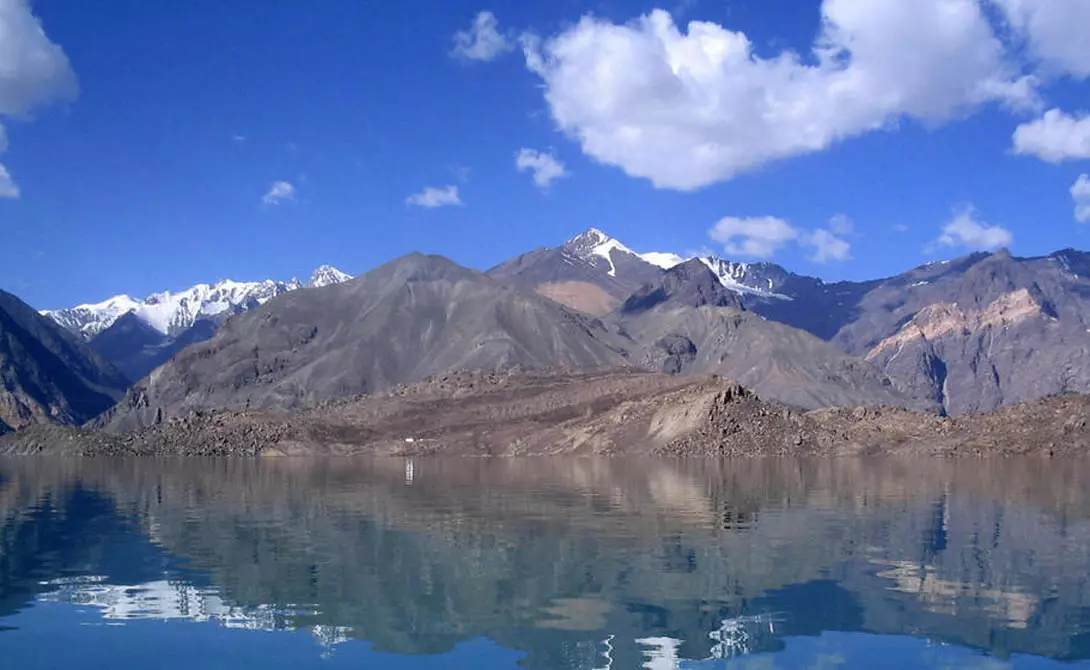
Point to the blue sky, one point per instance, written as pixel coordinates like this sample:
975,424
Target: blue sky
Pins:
155,174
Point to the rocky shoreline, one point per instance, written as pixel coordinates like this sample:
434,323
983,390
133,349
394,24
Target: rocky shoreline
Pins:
594,413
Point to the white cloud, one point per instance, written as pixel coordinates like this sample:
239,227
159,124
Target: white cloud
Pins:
432,197
827,247
965,231
760,237
688,109
280,191
1080,193
1055,31
1055,137
841,224
8,188
483,41
546,167
33,70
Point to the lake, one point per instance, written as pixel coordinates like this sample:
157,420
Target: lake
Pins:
544,563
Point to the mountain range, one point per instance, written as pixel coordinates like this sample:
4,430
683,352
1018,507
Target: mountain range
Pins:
139,336
955,337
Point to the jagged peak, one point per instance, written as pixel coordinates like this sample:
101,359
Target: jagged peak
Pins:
327,275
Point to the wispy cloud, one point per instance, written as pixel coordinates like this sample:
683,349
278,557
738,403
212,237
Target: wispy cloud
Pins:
279,192
432,197
545,166
483,41
8,188
1080,193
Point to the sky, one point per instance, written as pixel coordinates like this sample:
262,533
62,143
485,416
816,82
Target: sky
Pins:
148,145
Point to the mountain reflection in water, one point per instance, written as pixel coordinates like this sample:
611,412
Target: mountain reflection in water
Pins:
545,563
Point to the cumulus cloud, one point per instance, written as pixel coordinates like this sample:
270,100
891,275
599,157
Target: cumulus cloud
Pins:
1080,193
33,71
760,236
483,41
433,197
546,167
280,191
688,108
827,247
1054,31
1055,137
966,231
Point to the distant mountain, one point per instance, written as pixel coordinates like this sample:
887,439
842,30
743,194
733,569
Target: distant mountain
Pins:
412,318
591,272
173,313
48,375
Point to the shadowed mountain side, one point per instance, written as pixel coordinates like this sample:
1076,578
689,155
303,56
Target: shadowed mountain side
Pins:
46,374
136,348
410,319
690,284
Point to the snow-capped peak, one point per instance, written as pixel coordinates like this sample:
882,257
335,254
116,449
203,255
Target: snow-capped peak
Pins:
595,244
87,320
742,277
327,275
173,312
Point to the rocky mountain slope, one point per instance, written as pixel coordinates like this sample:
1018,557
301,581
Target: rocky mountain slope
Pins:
976,333
971,334
608,413
47,374
414,317
421,316
688,322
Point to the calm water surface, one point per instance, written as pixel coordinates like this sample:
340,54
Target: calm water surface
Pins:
544,564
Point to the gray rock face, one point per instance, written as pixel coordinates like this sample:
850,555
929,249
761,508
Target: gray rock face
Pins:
48,375
410,319
690,284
